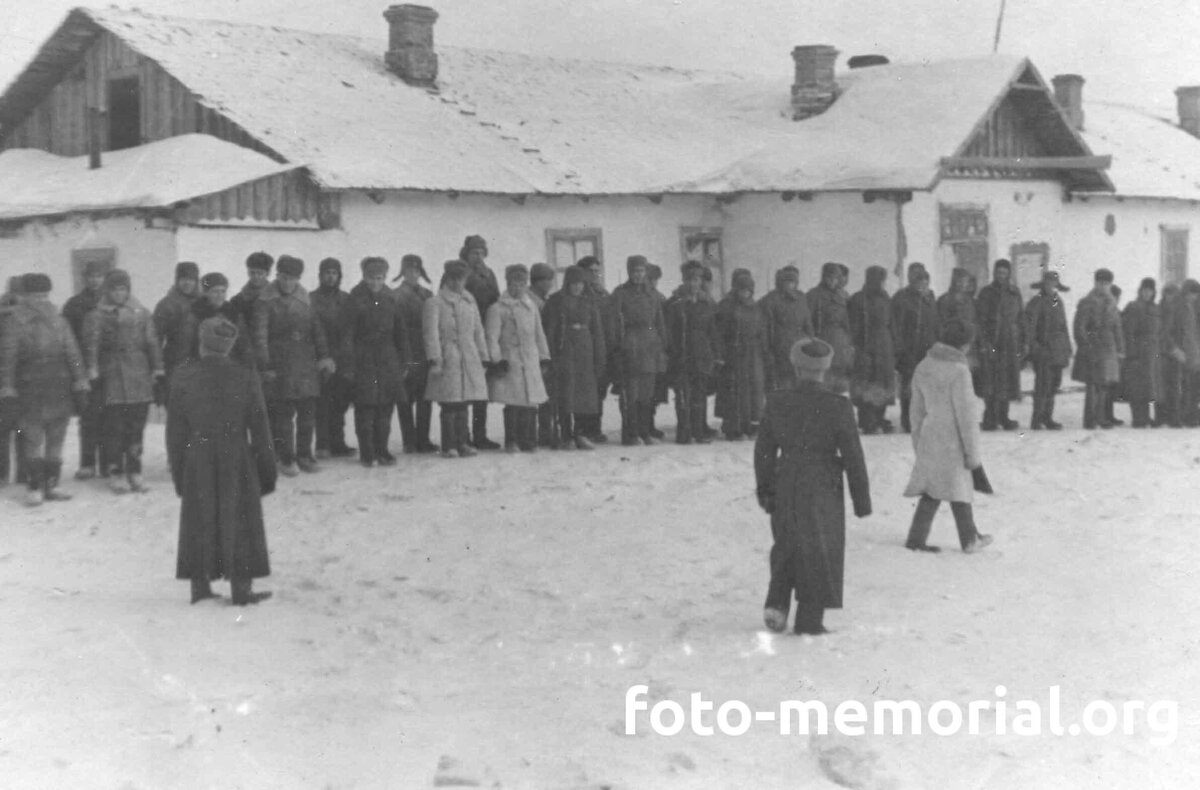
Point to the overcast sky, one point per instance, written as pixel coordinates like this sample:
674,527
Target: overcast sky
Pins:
1127,51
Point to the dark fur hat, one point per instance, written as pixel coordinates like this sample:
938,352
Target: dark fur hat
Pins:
289,265
260,260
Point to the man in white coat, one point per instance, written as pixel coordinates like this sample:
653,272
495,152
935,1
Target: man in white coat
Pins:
945,434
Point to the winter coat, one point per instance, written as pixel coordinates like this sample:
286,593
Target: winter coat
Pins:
332,306
945,427
831,323
202,309
289,341
515,335
219,452
40,364
120,344
915,323
482,285
170,325
375,332
1001,340
639,329
602,302
242,303
1141,326
873,377
456,345
1047,332
692,345
806,443
77,308
1099,340
786,319
575,337
961,305
412,301
742,335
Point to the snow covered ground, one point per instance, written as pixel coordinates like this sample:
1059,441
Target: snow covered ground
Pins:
488,615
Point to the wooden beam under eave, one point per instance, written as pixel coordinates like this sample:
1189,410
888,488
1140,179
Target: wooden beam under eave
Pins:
1029,162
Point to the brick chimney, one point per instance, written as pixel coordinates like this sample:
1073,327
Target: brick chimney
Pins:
1068,92
1188,99
815,87
410,54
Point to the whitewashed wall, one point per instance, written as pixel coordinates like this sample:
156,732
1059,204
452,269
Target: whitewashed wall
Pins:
147,253
1134,249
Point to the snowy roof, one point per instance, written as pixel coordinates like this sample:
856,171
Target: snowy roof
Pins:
1152,156
510,123
156,175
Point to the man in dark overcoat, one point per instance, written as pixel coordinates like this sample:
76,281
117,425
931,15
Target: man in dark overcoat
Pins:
741,387
170,320
416,413
915,322
1141,377
577,355
786,319
1001,339
1049,348
541,284
662,392
91,421
831,323
640,351
693,353
485,289
214,287
602,302
10,437
332,306
1167,409
43,382
222,464
873,378
806,443
258,277
1101,347
379,362
292,354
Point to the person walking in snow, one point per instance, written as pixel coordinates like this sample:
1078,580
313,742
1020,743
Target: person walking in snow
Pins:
786,319
946,439
42,382
806,443
122,351
91,421
1049,348
170,321
741,385
416,413
332,306
292,355
222,464
519,353
456,347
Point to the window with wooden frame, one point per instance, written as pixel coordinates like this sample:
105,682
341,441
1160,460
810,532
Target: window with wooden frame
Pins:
565,246
81,259
1174,253
124,113
704,245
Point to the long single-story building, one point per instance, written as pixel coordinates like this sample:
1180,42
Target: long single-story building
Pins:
160,139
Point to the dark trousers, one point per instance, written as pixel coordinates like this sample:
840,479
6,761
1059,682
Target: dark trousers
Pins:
293,424
995,412
91,431
373,427
787,568
415,417
870,417
520,427
905,374
590,425
44,440
1189,401
547,424
1139,411
1046,381
124,427
1095,405
691,410
453,418
922,523
479,421
1167,408
336,395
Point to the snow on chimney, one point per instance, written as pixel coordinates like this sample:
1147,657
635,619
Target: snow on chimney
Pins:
815,87
410,53
1188,99
1068,92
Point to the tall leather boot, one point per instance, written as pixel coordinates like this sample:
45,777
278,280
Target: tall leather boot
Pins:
448,429
1048,414
699,417
510,429
462,433
1002,418
424,418
905,423
527,432
364,429
53,470
479,436
408,428
989,415
645,411
35,477
201,589
810,619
